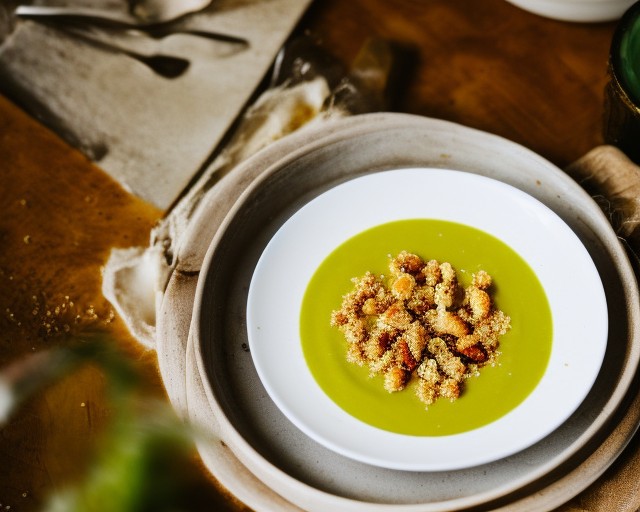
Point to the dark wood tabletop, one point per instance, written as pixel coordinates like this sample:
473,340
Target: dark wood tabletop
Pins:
487,65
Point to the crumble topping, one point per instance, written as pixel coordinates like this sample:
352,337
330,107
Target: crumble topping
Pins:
420,323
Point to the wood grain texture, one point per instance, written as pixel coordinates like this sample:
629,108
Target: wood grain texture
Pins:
487,65
61,216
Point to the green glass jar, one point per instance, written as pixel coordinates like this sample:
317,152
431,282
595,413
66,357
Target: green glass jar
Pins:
622,96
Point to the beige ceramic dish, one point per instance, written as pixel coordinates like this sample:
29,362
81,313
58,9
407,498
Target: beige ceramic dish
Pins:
254,450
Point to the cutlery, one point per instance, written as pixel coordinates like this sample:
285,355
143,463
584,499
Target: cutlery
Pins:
142,12
167,66
156,29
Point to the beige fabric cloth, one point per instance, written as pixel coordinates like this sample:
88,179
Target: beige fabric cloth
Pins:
614,182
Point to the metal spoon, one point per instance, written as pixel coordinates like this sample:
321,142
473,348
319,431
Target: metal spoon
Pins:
115,20
167,66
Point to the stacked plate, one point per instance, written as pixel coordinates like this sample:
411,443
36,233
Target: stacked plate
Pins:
280,443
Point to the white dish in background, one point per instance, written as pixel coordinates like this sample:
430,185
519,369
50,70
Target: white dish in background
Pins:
587,11
559,259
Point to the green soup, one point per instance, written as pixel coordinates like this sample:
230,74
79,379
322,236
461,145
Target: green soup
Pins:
525,349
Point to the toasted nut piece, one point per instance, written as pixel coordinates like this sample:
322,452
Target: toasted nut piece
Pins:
406,262
422,299
382,364
491,328
448,274
481,279
395,379
428,371
369,307
450,389
475,353
446,322
339,318
417,338
385,338
431,272
397,316
408,360
427,392
373,349
403,286
479,301
448,363
355,354
466,341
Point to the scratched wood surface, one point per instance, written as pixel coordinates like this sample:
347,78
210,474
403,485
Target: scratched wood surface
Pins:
488,65
485,64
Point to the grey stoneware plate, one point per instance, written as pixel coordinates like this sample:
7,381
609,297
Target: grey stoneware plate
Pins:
276,466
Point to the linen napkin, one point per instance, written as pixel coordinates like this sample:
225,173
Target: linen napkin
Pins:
614,182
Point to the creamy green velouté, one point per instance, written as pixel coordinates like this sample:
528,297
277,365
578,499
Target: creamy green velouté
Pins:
524,350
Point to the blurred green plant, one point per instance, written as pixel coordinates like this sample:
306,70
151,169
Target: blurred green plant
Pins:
141,466
142,462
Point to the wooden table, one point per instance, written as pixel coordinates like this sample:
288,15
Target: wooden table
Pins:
485,64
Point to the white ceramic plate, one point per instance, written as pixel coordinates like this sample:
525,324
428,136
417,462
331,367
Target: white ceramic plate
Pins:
576,10
537,234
